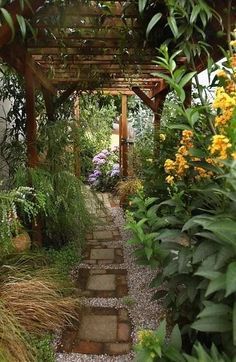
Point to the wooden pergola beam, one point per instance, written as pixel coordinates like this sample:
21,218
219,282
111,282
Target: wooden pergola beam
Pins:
146,100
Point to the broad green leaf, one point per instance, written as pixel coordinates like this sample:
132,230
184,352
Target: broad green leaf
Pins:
150,200
175,338
179,126
173,26
161,332
223,256
213,324
157,281
203,250
225,229
197,152
22,25
148,252
153,22
234,324
208,274
216,284
213,309
231,279
9,21
194,14
186,78
141,5
169,234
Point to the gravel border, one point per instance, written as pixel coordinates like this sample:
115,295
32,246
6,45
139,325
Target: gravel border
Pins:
143,311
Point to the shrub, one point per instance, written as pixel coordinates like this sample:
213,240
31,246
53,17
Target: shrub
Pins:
106,171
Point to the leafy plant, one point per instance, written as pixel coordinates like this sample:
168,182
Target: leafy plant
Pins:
106,170
154,346
15,206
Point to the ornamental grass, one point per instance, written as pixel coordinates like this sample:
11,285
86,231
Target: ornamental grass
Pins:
30,304
37,305
14,346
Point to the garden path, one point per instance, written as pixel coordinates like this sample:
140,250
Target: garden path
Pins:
117,300
103,329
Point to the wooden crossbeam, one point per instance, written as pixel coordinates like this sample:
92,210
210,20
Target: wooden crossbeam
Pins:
146,100
18,57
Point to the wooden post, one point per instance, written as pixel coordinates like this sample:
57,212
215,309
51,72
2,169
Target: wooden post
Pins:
188,92
31,139
76,141
124,133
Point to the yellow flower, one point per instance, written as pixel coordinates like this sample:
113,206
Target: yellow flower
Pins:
170,180
233,43
233,61
224,118
234,155
221,73
162,136
219,147
183,151
169,165
202,173
143,334
223,100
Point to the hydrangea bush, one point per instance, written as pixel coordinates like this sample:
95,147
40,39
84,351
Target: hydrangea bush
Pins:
106,170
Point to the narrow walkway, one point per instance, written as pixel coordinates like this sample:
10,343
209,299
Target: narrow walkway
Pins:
101,330
115,295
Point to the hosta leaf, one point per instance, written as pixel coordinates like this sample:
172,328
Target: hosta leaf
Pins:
213,309
203,250
157,281
175,338
231,279
234,324
216,284
223,256
225,229
213,324
207,273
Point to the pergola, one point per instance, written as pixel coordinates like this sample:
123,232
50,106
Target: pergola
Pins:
85,46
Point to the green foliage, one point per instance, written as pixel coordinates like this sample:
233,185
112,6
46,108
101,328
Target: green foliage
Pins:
65,259
16,206
65,217
44,348
97,114
153,346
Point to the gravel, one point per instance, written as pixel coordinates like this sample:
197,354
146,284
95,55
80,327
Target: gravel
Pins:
144,312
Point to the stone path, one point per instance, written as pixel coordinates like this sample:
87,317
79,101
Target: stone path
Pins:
101,330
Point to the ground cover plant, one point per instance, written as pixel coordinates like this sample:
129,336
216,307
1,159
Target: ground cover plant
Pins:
188,230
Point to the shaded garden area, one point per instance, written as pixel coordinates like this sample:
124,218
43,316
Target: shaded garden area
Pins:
118,181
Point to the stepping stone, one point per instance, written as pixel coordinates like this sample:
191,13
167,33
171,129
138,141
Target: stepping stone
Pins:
103,283
97,254
102,254
102,235
100,330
